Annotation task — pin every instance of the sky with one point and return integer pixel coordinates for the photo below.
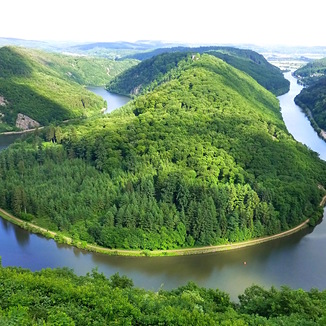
(276, 22)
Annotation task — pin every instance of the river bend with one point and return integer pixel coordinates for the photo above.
(296, 260)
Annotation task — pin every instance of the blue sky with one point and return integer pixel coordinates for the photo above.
(279, 22)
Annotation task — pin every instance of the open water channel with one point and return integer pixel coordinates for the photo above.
(296, 260)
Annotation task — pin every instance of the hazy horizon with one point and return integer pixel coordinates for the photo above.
(281, 23)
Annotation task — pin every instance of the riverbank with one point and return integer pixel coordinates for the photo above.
(320, 132)
(20, 132)
(136, 253)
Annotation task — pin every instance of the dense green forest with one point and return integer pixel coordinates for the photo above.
(160, 61)
(85, 70)
(48, 87)
(313, 101)
(311, 72)
(59, 297)
(203, 159)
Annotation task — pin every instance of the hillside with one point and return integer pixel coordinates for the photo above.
(59, 297)
(84, 70)
(159, 62)
(203, 159)
(313, 101)
(29, 86)
(48, 87)
(311, 72)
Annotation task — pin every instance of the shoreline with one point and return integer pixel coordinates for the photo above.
(59, 238)
(307, 112)
(20, 132)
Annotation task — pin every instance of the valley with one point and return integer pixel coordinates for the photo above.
(139, 155)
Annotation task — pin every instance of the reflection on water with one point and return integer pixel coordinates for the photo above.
(5, 226)
(297, 260)
(22, 237)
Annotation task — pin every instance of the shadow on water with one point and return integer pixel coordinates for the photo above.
(5, 225)
(202, 266)
(22, 236)
(296, 260)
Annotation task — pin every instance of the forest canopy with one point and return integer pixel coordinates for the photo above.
(162, 64)
(59, 297)
(312, 99)
(311, 72)
(202, 159)
(49, 87)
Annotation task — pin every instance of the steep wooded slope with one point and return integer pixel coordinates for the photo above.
(161, 61)
(313, 100)
(311, 72)
(203, 159)
(48, 87)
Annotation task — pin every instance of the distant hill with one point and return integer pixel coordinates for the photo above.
(41, 45)
(48, 87)
(84, 70)
(139, 45)
(150, 54)
(204, 158)
(163, 61)
(311, 72)
(116, 50)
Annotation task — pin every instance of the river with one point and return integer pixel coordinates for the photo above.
(296, 260)
(297, 123)
(113, 100)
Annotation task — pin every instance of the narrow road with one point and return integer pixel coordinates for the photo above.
(172, 252)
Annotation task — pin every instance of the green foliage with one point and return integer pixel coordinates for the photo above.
(203, 159)
(311, 72)
(13, 64)
(148, 74)
(313, 101)
(165, 60)
(59, 297)
(49, 87)
(84, 70)
(256, 66)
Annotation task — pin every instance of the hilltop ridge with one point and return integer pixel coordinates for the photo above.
(156, 64)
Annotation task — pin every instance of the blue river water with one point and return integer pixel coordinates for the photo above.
(296, 260)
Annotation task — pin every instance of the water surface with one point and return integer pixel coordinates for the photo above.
(297, 123)
(297, 260)
(114, 101)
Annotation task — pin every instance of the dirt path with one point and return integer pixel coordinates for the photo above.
(21, 223)
(169, 252)
(323, 201)
(20, 132)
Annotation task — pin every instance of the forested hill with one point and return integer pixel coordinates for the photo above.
(48, 87)
(160, 61)
(311, 72)
(313, 100)
(59, 297)
(203, 159)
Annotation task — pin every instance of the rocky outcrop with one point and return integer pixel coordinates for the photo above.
(3, 101)
(24, 122)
